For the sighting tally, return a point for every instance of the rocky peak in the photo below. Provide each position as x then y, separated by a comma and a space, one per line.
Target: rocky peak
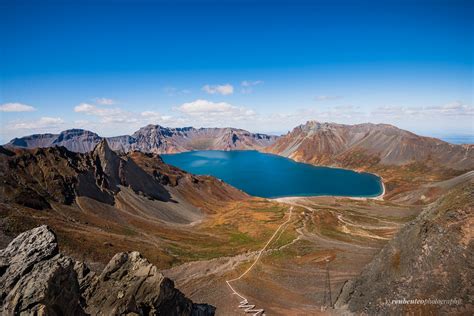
75, 133
36, 279
107, 165
104, 152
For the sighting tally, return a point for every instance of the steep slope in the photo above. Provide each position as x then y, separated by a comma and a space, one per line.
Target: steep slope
37, 279
365, 145
430, 258
57, 175
152, 138
36, 178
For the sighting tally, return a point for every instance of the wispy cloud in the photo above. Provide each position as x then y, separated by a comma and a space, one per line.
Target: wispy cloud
321, 98
225, 89
118, 117
247, 86
106, 115
16, 107
43, 124
172, 91
104, 101
452, 109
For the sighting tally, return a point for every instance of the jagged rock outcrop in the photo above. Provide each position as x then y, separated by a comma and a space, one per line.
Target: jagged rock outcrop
151, 138
130, 284
37, 280
431, 258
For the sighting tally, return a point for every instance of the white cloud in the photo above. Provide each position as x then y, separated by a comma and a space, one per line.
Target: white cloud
41, 123
117, 118
153, 117
84, 107
247, 86
104, 101
327, 97
453, 109
225, 89
205, 107
204, 113
16, 107
246, 83
172, 91
107, 115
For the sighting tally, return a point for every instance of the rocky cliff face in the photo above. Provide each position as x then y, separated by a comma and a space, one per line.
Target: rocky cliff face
430, 258
36, 279
76, 140
45, 175
365, 145
158, 139
152, 138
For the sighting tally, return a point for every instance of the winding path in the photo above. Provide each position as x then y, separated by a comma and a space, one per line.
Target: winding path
244, 303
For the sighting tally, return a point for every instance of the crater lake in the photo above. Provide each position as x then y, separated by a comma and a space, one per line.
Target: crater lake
273, 176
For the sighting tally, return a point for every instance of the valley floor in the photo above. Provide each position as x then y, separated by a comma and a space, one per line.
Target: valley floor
324, 234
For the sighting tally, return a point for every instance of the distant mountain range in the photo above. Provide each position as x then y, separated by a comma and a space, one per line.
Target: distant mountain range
152, 138
365, 145
352, 146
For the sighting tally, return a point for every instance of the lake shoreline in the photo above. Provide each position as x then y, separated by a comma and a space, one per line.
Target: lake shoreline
379, 197
272, 176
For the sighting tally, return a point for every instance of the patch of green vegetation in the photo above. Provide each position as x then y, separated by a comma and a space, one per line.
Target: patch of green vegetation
280, 254
185, 255
127, 231
286, 237
240, 238
333, 233
272, 209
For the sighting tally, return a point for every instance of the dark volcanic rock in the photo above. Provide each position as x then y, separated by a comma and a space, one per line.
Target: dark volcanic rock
35, 279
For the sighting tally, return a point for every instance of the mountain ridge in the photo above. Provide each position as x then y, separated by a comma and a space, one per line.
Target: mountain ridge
363, 145
151, 138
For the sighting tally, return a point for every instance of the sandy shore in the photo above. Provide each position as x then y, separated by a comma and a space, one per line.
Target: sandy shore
292, 198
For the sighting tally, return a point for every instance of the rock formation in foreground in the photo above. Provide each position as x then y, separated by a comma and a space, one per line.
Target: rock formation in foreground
431, 258
35, 279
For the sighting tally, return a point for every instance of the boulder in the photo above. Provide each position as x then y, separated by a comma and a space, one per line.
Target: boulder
131, 284
35, 279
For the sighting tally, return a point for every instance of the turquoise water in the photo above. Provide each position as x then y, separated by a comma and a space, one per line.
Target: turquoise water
273, 176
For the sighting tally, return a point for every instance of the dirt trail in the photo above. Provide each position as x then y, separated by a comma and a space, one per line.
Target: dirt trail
244, 303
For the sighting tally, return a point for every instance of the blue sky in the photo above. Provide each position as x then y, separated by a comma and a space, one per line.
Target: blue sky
267, 66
